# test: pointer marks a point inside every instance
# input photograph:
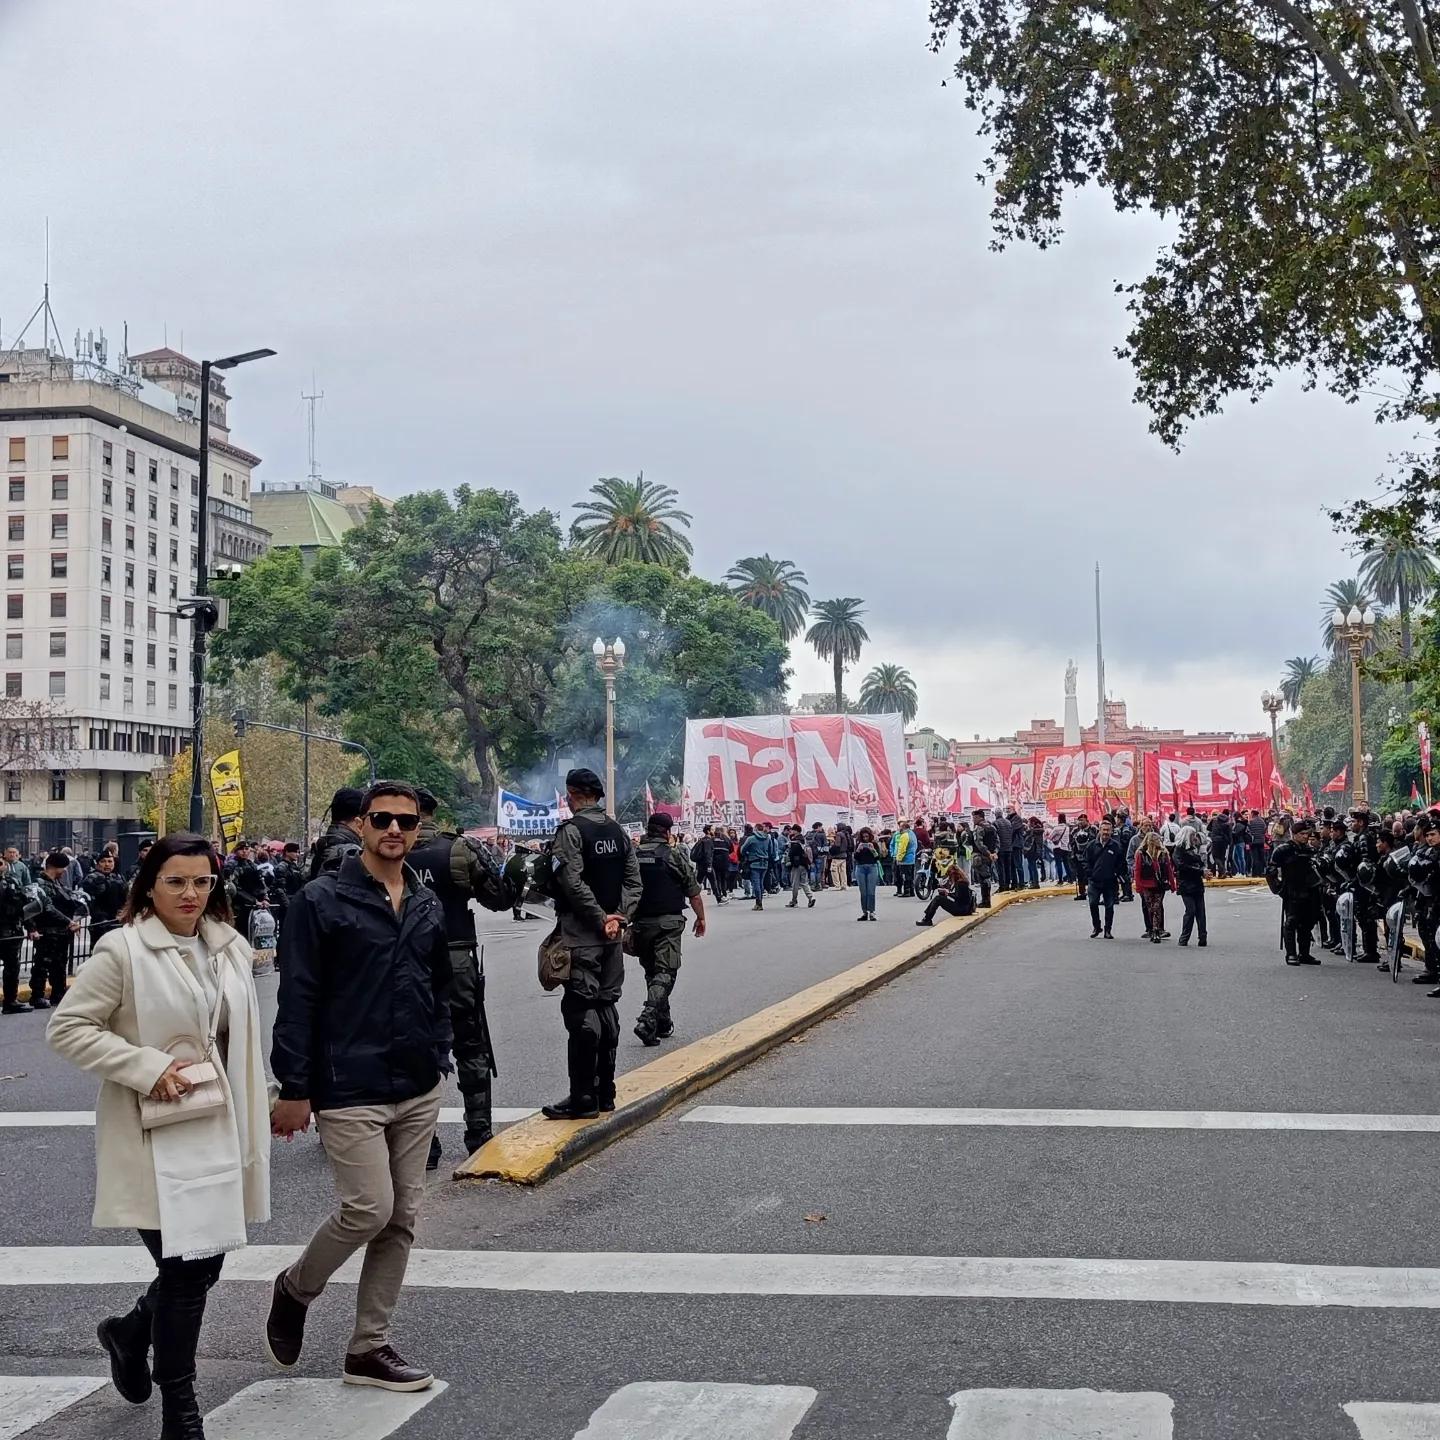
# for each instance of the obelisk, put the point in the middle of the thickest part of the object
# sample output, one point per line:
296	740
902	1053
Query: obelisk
1072	707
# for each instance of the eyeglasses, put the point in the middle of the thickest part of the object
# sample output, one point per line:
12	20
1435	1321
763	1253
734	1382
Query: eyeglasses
179	884
384	819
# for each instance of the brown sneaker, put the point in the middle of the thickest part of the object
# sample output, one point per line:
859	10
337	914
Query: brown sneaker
384	1369
284	1326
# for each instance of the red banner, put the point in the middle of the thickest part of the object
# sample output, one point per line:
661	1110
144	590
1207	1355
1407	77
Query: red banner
1086	779
1339	784
1220	776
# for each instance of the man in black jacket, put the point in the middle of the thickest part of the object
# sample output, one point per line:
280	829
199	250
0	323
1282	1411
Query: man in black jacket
597	890
106	892
1104	863
1004	863
1295	877
361	1039
343	836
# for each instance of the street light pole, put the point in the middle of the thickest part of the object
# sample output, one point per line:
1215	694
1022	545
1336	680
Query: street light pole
201	619
1272	705
609	661
1355	630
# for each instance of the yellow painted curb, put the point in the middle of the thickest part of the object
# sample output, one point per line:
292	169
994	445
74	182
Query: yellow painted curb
536	1149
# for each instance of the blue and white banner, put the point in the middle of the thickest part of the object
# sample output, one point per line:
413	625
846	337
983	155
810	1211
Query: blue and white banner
515	815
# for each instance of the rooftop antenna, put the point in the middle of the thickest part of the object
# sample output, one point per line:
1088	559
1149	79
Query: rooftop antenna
311	401
42	309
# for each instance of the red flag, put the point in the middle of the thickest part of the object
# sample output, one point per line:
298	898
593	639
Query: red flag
649	801
1309	800
1414	794
1338	784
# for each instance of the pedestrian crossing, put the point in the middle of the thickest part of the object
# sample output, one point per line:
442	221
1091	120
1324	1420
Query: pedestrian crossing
62	1119
291	1409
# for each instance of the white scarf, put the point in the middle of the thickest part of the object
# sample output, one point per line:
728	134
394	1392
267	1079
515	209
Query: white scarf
211	1173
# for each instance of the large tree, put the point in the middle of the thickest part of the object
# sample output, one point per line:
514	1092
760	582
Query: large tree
890	689
1290	143
633	520
774	587
1298	672
837	636
1400	574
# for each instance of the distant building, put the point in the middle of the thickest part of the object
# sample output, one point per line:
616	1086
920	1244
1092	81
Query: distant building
358	499
303	515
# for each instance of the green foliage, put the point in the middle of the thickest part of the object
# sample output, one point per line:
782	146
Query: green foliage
1297	672
837	636
1290	145
632	520
890	689
774	587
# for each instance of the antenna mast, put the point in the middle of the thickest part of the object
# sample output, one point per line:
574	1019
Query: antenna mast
311	401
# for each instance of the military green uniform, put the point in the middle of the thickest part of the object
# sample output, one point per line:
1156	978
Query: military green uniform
669	880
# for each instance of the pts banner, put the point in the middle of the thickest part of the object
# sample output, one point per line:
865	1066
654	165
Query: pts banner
796	769
1210	777
1087	779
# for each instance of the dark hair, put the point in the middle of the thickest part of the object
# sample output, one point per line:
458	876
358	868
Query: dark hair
137	903
346	804
426	800
57	860
382	788
291	845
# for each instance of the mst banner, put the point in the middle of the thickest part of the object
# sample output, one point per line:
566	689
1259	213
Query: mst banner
1210	777
1085	779
796	769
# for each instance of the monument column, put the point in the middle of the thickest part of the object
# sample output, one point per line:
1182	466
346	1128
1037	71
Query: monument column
1072	707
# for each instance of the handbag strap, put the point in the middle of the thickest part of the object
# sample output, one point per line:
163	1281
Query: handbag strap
128	931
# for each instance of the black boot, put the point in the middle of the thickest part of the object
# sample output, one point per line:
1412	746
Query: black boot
572	1107
432	1160
473	1142
180	1412
126	1339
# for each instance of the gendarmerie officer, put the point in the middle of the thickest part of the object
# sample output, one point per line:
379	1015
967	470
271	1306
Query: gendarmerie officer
597	889
459	872
1424	876
1356	860
342	838
668	881
1331	836
1294	876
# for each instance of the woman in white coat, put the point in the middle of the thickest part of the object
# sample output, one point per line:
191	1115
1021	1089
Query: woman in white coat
140	1010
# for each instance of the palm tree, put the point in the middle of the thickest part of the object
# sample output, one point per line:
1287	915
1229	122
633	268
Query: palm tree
837	636
1297	671
632	520
774	587
1400	574
888	688
1346	595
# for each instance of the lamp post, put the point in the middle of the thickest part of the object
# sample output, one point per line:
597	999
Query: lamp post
1355	630
609	661
1272	705
203	616
1367	760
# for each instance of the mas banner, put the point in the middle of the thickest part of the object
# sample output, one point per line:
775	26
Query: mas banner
1210	777
515	815
1086	779
795	769
228	788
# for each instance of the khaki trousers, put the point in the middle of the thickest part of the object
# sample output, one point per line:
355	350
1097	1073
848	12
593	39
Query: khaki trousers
377	1156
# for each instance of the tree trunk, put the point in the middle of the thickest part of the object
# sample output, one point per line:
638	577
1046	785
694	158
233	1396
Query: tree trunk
839	684
1402	593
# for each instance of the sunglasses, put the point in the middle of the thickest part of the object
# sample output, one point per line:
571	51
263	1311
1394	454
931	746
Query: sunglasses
384	819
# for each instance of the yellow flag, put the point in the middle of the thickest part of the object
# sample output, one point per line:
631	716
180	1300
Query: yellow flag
229	791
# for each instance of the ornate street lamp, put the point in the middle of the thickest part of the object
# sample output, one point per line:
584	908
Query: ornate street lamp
609	661
1355	630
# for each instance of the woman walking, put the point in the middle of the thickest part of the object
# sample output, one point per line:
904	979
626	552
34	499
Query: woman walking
1190	884
182	1155
1154	875
867	870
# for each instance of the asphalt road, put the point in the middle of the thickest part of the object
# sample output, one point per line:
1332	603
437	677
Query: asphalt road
886	1278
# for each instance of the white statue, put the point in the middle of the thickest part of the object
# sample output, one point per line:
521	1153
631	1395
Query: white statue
1070	676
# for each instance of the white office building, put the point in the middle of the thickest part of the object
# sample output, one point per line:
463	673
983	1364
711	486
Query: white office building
102	487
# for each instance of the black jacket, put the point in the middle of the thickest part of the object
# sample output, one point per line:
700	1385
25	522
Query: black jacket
363	1016
1105	861
331	848
1189	871
107	895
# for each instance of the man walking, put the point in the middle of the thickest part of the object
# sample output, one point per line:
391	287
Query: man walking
799	860
667	883
755	862
459	872
597	890
1059	838
362	1037
1104	862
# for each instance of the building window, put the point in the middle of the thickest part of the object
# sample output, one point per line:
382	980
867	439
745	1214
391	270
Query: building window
174	588
59	487
15	607
174	665
107	455
14	647
57	605
107	493
104	694
174	696
17	488
154	508
17	527
195	485
174	627
127	787
12	789
104	609
130	577
129	462
150	653
154	472
12	686
149	692
57	777
103	788
175	515
59	567
57	684
174	479
104	569
59	527
129	539
123	737
129	499
245	491
150	584
129	698
106	532
15	567
150	621
17	449
59	447
194	523
227	482
57	644
130	652
129	614
104	647
174	552
153	542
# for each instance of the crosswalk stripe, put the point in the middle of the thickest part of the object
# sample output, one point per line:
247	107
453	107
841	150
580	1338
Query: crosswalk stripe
314	1410
1061	1415
1377	1420
672	1410
1098	1119
29	1400
606	1272
50	1119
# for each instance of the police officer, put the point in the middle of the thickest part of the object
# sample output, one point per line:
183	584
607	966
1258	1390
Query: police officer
985	844
287	878
1082	835
1424	878
668	880
106	892
13	902
1356	859
597	889
459	871
517	881
1331	834
51	931
1295	878
342	838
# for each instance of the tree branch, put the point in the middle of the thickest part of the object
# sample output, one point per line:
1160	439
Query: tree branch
1419	33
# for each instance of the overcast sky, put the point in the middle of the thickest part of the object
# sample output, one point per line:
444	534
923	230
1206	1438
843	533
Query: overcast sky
741	247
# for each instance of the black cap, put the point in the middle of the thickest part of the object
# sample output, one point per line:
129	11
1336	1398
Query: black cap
660	821
1301	827
585	781
428	803
346	804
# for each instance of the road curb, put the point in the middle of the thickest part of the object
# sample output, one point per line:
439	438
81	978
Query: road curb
536	1150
